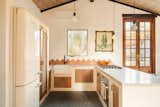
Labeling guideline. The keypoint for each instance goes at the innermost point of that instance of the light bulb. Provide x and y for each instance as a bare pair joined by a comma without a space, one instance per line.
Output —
74,18
134,26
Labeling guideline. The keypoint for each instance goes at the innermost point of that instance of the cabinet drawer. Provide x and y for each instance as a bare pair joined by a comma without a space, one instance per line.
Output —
62,82
84,75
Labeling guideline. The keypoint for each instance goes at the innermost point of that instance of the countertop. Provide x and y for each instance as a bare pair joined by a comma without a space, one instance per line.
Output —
126,76
129,76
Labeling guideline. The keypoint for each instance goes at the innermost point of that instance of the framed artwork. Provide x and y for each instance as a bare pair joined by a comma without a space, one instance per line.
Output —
77,42
104,41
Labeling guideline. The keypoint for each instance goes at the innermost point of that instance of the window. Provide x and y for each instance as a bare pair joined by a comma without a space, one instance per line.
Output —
138,42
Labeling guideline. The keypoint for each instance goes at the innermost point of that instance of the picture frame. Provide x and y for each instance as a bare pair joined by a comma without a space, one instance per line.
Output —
104,41
77,42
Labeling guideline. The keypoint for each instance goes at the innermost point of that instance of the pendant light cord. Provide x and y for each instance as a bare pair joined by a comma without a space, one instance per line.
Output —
114,20
74,13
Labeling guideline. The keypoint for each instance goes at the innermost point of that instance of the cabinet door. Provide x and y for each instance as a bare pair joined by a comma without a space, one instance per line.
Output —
62,82
84,75
115,96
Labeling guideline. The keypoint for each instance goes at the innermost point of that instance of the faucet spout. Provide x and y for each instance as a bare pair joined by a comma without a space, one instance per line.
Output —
65,59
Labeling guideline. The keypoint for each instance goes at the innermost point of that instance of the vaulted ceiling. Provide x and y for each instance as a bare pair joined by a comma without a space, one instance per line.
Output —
152,6
45,5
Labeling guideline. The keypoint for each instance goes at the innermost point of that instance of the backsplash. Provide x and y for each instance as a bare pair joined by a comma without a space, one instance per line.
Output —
80,61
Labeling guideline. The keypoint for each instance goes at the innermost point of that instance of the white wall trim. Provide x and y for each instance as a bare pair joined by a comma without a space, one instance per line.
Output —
2,53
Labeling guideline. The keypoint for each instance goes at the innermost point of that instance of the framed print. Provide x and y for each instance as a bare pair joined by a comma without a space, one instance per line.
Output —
104,41
77,42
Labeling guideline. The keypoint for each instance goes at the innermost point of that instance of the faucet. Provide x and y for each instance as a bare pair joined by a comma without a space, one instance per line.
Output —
65,59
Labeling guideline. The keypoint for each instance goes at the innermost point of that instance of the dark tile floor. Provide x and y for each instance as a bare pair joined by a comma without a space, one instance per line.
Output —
72,99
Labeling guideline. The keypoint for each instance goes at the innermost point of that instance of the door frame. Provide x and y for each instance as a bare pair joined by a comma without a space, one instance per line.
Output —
138,18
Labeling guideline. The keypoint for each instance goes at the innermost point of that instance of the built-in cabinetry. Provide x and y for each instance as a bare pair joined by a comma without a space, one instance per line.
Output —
73,78
115,95
62,82
83,75
107,90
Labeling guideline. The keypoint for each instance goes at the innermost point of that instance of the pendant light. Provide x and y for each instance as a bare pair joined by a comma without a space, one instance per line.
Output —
114,20
74,17
134,26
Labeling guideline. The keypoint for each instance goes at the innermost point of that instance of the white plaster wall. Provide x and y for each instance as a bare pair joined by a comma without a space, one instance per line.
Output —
30,6
100,15
2,52
157,38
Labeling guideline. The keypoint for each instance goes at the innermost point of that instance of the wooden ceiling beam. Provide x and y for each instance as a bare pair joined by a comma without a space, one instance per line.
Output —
128,5
58,5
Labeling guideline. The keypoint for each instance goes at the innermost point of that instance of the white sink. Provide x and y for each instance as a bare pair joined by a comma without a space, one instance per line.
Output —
62,69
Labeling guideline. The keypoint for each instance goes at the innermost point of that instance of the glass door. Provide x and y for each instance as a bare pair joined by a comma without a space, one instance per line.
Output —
43,63
130,45
139,44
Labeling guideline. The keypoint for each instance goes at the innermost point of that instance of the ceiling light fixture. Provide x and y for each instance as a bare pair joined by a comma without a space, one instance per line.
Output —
74,18
114,20
134,26
91,0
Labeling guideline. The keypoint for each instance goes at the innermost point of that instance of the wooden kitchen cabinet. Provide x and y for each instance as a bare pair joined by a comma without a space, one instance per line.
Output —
115,96
62,82
84,75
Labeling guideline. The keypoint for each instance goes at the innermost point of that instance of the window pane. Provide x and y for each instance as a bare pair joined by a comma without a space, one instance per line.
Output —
147,35
147,26
142,62
128,34
128,62
128,53
133,35
133,61
142,26
133,44
147,43
142,36
142,53
141,43
147,61
148,53
128,26
127,43
133,53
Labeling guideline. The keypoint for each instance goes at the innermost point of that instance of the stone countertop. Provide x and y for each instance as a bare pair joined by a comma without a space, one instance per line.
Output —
127,76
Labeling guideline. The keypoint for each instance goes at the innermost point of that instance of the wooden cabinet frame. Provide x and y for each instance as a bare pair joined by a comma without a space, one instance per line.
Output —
44,74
